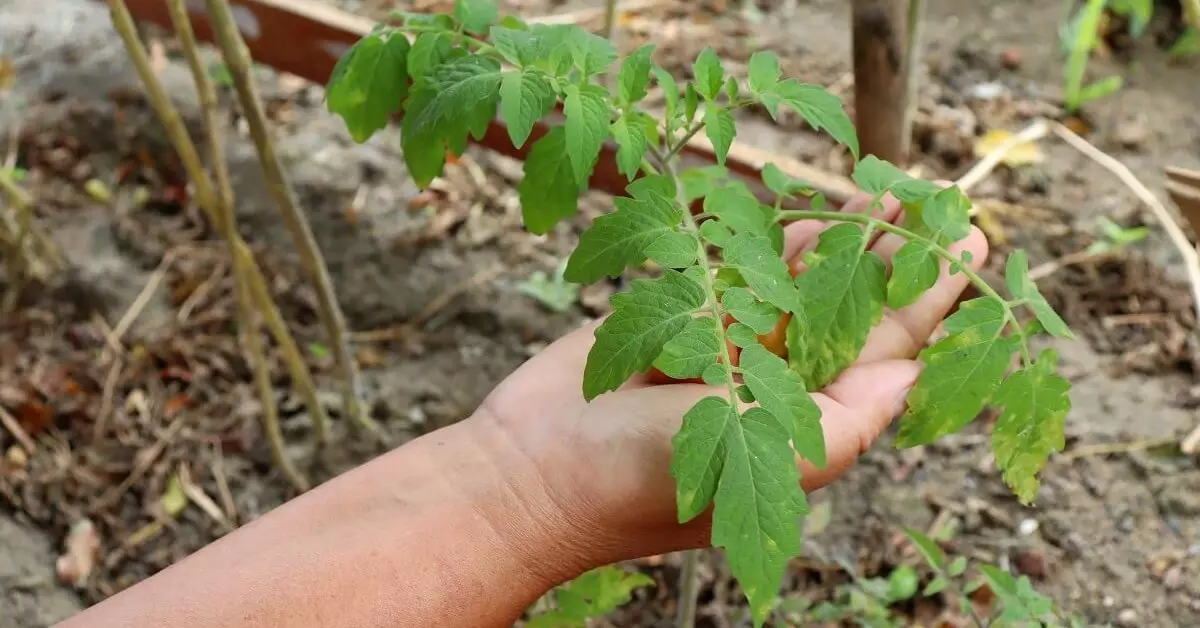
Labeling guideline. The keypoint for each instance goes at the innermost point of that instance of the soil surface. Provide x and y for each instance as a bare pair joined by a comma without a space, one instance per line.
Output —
1115,535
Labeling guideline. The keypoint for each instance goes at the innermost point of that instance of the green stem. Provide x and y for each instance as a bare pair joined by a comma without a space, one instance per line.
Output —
479,44
986,289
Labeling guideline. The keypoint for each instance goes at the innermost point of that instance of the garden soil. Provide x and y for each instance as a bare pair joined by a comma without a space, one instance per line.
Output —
432,282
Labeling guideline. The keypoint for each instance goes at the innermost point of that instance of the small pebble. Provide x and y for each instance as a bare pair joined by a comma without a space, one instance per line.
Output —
1128,617
1027,527
1011,58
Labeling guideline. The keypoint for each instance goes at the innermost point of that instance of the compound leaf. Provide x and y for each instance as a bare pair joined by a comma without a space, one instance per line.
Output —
709,73
841,299
876,176
758,507
820,108
548,193
1022,287
618,240
526,96
1030,427
586,110
719,127
643,320
699,454
780,391
762,268
428,51
915,268
693,350
741,304
369,83
961,372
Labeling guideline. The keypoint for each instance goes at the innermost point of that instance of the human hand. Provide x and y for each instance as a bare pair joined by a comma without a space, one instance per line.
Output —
605,464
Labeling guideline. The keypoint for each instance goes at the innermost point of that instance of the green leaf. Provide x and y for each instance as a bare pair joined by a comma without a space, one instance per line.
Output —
961,372
630,133
670,91
715,233
526,96
591,53
548,192
709,73
902,583
763,270
758,507
782,183
818,107
915,268
543,46
876,176
700,182
928,548
780,391
946,212
647,187
935,586
634,76
674,249
643,320
369,83
592,595
424,153
586,109
737,208
1030,427
455,97
693,350
957,567
716,375
841,299
763,71
699,454
741,335
1018,600
1022,287
691,102
618,240
429,50
741,304
718,126
475,15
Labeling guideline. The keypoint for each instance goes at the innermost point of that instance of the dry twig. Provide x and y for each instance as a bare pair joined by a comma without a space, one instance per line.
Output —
19,434
237,59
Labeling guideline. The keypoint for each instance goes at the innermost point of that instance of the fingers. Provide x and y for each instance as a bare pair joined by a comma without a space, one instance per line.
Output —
903,332
855,409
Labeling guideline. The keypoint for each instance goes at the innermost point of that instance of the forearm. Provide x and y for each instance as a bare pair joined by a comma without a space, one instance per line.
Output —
440,532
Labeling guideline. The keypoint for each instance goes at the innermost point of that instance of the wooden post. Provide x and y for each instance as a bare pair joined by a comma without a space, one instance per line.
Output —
880,33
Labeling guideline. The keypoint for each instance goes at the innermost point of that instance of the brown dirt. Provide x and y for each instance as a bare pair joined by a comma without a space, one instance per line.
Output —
1118,533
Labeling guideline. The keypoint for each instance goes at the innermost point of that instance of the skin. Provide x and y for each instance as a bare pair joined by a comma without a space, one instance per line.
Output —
470,524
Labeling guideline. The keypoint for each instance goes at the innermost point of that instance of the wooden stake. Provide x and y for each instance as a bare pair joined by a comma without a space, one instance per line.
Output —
879,33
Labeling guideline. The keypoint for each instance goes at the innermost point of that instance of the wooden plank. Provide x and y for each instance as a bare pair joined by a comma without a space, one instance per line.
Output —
305,38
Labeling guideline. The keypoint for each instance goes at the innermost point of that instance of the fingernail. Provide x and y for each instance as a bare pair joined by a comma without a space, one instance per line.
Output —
901,402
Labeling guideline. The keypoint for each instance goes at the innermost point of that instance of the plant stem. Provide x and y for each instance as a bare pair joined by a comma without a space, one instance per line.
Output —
689,580
237,59
24,208
610,20
912,58
883,225
207,199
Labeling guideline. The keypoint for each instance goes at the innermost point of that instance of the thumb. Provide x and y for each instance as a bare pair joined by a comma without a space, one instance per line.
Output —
855,410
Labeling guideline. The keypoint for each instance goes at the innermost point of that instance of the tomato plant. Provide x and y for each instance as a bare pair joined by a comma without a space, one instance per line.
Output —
726,308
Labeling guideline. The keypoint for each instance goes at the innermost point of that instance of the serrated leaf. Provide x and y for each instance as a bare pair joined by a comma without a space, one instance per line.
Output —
591,53
741,335
1022,287
741,304
915,268
961,372
459,93
763,270
1034,404
715,233
780,391
424,154
592,595
782,183
693,350
763,71
674,249
476,15
691,102
758,507
646,187
1019,601
526,96
820,108
720,130
716,375
369,83
643,320
586,110
709,73
670,90
429,50
618,240
629,131
700,182
737,208
634,75
699,455
548,192
947,213
841,299
876,176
